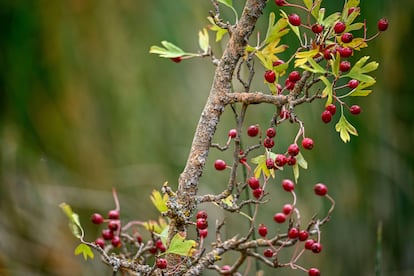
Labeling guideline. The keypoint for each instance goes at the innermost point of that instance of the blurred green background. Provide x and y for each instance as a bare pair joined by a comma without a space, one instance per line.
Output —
84,107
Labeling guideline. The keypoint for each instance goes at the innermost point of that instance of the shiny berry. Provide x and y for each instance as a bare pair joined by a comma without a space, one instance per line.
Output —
317,28
309,243
232,133
139,239
353,84
289,84
314,272
351,10
294,76
97,218
288,185
270,76
355,109
270,163
116,242
202,214
159,244
347,37
294,19
270,132
280,160
100,242
258,193
326,116
320,189
279,217
113,214
107,234
345,52
287,209
203,233
382,24
316,247
307,143
268,143
327,54
339,27
293,233
253,130
220,165
113,225
280,3
161,263
201,223
331,108
291,160
268,253
284,114
253,183
177,59
344,66
303,235
277,62
293,149
262,230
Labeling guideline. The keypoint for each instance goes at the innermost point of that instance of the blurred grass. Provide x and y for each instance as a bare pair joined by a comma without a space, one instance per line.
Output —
84,108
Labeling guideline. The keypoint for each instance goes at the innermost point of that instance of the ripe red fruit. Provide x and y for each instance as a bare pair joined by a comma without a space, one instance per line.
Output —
220,165
203,233
280,160
314,272
293,233
320,189
353,84
293,149
270,163
355,109
177,59
316,247
107,234
317,28
159,244
113,225
268,253
287,209
161,263
382,24
291,160
344,66
347,37
258,193
345,52
294,76
201,214
307,143
294,19
100,242
139,239
351,10
284,114
331,108
303,235
280,3
254,183
268,143
201,223
97,218
309,243
262,230
277,62
270,132
113,214
327,54
288,185
326,116
279,217
270,76
233,133
253,130
339,27
116,242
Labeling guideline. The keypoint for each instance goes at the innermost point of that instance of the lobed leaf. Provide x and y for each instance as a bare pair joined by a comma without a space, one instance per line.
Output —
345,129
159,201
203,40
315,67
361,91
302,57
168,51
220,32
180,246
85,250
327,91
276,31
359,70
74,223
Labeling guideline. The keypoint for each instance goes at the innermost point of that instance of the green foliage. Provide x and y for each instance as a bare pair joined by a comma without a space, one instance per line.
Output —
85,250
345,129
179,245
74,223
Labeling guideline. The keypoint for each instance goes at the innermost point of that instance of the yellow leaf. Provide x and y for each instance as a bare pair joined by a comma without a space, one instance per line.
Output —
302,57
159,201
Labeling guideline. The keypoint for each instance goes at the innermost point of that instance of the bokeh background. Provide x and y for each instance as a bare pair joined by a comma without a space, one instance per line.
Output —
84,107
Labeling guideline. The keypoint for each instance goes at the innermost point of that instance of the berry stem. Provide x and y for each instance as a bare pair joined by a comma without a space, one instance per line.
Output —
116,200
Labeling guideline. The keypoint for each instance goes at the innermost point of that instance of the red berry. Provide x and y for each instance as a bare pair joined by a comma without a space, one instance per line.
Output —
317,28
316,247
116,241
382,24
347,37
326,116
270,132
293,233
268,253
307,143
177,59
113,225
314,272
355,109
309,243
203,233
113,214
280,3
289,85
320,189
254,183
262,230
284,114
233,133
327,54
291,160
294,19
277,62
280,160
293,149
159,244
97,218
220,165
201,223
253,130
303,235
331,108
202,214
294,76
339,27
345,52
279,217
258,193
161,263
107,234
287,209
139,239
268,143
288,185
100,242
351,10
353,84
153,250
270,76
270,163
344,66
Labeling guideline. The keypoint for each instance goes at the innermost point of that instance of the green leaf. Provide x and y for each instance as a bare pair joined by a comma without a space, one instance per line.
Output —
296,172
74,223
327,91
359,70
316,68
268,54
159,201
275,31
261,165
220,32
203,40
169,50
308,4
345,129
295,29
229,3
300,162
334,62
302,57
85,250
179,245
331,19
361,91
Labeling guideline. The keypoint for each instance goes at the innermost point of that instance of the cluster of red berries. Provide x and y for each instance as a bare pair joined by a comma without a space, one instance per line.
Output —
330,110
111,233
202,223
